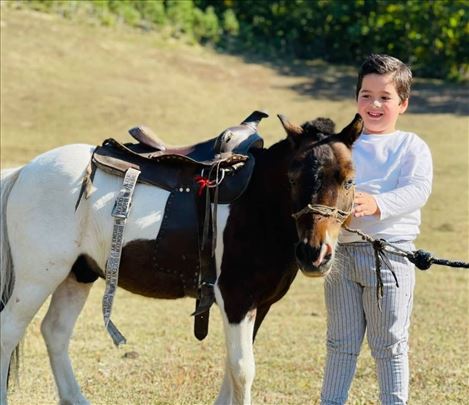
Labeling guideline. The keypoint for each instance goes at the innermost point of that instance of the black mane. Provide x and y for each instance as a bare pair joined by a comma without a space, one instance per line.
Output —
318,126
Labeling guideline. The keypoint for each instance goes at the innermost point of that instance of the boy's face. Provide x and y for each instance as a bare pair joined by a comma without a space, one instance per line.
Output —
379,104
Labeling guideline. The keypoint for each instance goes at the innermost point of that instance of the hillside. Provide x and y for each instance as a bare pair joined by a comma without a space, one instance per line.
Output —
65,83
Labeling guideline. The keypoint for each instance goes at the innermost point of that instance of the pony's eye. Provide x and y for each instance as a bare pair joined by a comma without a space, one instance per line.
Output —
348,184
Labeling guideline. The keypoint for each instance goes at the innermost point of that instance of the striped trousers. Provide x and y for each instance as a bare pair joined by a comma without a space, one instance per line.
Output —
352,310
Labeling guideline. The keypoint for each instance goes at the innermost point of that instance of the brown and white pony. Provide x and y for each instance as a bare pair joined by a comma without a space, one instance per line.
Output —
288,218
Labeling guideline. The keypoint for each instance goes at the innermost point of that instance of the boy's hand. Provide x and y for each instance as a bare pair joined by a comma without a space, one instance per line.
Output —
365,204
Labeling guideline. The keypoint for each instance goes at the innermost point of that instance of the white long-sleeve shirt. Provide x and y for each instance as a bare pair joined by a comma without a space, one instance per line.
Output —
397,169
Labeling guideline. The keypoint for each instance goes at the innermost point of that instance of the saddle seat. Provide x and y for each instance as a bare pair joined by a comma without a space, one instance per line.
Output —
234,140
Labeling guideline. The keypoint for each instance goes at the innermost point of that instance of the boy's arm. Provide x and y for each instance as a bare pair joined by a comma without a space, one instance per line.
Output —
414,186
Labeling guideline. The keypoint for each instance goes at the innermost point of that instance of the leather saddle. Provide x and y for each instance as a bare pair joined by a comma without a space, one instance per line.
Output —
176,168
198,177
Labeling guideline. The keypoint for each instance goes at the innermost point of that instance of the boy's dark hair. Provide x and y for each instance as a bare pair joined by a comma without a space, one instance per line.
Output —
382,64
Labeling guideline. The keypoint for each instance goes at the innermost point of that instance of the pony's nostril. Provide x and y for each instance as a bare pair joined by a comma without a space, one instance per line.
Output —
305,253
300,251
324,254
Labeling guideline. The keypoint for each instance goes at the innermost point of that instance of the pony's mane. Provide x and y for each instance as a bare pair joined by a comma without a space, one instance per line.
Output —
319,126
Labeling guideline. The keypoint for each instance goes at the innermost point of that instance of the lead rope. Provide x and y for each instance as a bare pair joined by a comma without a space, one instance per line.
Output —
379,253
420,258
120,213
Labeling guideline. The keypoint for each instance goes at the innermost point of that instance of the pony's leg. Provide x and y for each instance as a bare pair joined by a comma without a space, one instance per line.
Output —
226,391
240,357
57,327
240,365
25,301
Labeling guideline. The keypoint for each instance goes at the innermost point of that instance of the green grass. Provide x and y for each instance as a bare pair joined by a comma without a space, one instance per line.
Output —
68,82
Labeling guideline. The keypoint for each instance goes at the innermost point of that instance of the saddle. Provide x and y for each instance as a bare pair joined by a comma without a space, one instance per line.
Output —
176,168
198,177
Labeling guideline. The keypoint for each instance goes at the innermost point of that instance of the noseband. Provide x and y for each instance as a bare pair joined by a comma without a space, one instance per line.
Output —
326,211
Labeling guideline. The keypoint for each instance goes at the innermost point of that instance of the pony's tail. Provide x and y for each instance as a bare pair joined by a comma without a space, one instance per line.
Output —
8,179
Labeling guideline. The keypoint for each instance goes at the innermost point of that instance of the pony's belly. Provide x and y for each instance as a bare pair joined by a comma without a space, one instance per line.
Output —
139,271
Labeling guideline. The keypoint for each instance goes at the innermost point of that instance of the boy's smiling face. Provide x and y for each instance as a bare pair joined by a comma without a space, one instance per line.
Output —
379,104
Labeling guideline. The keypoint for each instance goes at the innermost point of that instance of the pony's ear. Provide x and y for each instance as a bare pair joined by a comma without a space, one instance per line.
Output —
352,131
293,131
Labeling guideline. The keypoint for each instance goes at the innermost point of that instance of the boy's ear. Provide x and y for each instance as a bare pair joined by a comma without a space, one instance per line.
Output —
352,131
403,106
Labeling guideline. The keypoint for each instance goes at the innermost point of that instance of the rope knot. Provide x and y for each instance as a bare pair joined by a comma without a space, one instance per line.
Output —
422,259
379,244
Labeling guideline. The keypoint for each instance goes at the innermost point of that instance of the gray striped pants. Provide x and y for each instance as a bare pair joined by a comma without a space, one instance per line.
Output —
350,293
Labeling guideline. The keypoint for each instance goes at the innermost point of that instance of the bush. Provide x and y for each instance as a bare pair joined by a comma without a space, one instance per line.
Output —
181,15
152,11
205,26
230,23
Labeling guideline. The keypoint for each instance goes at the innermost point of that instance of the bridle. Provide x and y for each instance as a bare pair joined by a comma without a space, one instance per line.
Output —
326,211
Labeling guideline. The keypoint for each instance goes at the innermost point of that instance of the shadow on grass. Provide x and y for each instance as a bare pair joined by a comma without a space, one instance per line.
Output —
337,82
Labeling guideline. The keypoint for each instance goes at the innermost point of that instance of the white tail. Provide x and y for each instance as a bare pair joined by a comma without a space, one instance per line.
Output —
7,181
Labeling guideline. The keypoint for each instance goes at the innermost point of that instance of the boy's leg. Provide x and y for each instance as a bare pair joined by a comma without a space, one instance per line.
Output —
345,331
388,330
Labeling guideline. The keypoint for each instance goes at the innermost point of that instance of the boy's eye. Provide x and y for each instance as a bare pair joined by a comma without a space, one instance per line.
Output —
386,98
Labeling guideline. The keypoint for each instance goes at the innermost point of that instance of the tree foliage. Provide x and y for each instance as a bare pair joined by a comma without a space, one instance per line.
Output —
431,35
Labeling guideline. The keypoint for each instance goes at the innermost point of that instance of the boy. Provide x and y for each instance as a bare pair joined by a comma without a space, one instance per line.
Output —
393,181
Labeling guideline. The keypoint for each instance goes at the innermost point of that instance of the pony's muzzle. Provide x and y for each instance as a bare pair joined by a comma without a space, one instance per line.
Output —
314,261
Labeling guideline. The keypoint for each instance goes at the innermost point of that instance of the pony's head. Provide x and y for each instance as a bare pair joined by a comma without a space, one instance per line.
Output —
321,176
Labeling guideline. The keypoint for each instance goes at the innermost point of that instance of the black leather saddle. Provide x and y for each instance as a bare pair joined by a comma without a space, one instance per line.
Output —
176,168
198,177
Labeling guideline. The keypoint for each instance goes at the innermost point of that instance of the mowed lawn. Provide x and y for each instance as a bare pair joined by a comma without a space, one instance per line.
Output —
72,82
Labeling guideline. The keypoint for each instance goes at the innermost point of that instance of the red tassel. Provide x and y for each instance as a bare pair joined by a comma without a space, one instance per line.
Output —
203,183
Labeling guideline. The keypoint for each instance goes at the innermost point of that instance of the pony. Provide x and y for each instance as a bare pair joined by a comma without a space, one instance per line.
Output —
289,217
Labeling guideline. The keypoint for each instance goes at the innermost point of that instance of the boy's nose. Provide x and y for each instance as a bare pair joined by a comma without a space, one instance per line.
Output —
376,103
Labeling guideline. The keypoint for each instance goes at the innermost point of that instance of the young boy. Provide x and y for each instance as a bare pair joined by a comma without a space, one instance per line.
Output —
393,181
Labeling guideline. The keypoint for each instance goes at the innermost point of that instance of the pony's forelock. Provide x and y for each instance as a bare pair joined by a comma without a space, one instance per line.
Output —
319,126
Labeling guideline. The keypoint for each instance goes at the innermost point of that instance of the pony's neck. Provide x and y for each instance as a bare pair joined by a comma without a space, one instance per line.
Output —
271,188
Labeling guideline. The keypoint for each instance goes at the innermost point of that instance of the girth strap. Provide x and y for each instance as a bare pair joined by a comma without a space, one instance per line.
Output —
120,213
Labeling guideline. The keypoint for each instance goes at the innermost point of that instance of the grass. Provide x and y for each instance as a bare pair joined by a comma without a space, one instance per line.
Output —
67,82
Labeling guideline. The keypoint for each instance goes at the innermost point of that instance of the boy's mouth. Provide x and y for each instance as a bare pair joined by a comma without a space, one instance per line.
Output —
374,114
